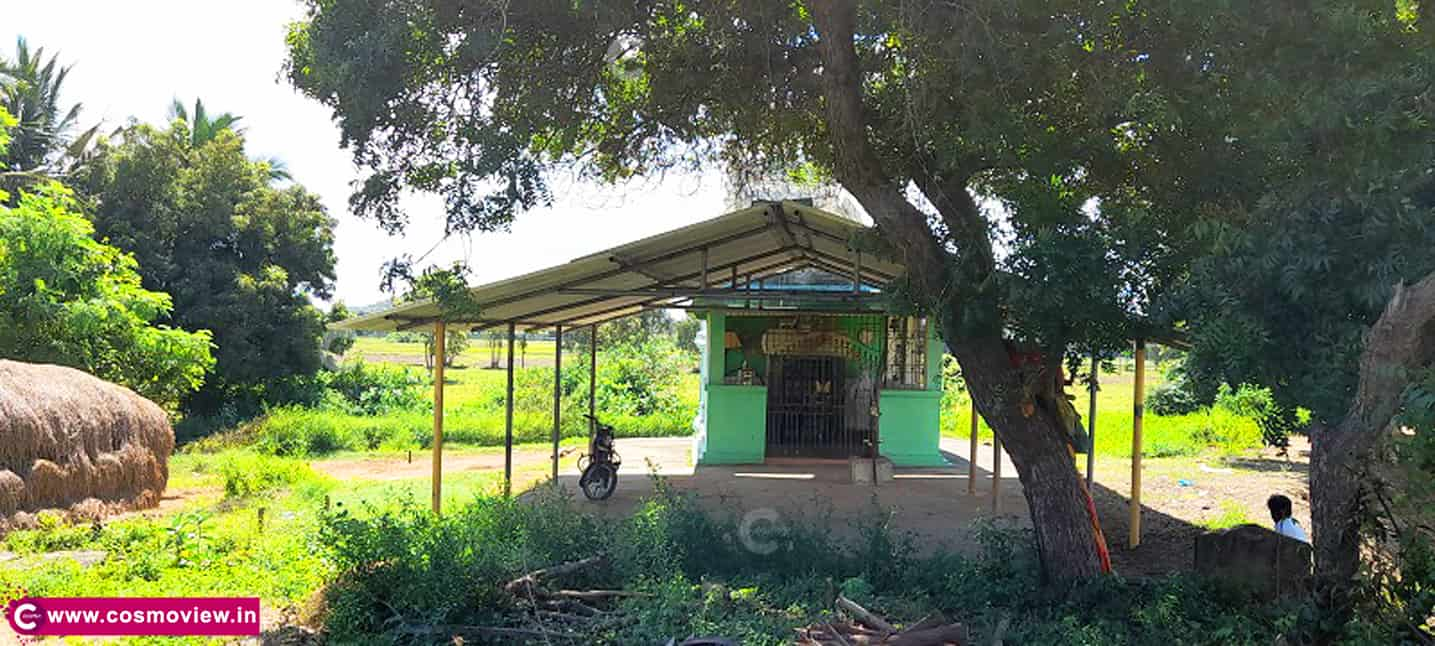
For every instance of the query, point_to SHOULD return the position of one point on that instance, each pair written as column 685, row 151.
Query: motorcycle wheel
column 598, row 481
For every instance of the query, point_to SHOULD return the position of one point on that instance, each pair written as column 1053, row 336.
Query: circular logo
column 25, row 617
column 759, row 530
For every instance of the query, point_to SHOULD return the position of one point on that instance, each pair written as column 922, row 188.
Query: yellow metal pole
column 972, row 466
column 439, row 336
column 996, row 472
column 1138, row 411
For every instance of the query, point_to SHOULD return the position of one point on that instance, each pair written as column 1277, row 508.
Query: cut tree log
column 934, row 636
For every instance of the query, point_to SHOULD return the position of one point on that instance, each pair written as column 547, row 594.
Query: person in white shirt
column 1280, row 507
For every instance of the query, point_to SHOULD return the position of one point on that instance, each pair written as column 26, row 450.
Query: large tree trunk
column 1032, row 434
column 1037, row 443
column 1402, row 340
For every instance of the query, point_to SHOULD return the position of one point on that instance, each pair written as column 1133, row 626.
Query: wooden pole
column 996, row 472
column 972, row 465
column 1138, row 411
column 592, row 369
column 1091, row 421
column 557, row 392
column 440, row 333
column 508, row 421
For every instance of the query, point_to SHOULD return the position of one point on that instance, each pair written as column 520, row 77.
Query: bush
column 295, row 431
column 1257, row 403
column 248, row 474
column 1172, row 398
column 406, row 337
column 407, row 563
column 365, row 389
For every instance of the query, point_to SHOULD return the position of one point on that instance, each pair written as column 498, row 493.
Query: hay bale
column 12, row 492
column 66, row 437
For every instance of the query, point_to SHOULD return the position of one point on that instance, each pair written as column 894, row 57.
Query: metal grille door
column 826, row 406
column 805, row 412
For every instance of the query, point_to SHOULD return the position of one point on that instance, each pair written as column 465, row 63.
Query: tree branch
column 855, row 163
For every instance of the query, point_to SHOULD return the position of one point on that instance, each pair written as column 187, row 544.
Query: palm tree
column 203, row 129
column 30, row 88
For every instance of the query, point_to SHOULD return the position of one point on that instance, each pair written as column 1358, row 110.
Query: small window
column 906, row 353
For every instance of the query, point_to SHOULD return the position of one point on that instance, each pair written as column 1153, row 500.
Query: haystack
column 67, row 437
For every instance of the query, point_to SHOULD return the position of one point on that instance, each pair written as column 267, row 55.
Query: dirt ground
column 932, row 504
column 935, row 506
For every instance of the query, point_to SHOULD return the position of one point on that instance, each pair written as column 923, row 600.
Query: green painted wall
column 737, row 424
column 736, row 416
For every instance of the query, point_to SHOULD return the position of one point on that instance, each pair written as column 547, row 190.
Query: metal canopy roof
column 713, row 258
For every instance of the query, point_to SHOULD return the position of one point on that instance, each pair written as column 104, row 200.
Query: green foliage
column 455, row 341
column 247, row 474
column 66, row 298
column 201, row 127
column 403, row 564
column 196, row 552
column 1257, row 403
column 239, row 256
column 375, row 389
column 1339, row 208
column 44, row 144
column 338, row 342
column 307, row 432
column 1232, row 514
column 1172, row 398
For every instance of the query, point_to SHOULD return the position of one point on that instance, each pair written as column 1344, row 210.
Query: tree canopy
column 45, row 141
column 240, row 256
column 1055, row 176
column 66, row 298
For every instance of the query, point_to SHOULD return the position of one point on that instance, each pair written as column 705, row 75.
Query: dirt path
column 400, row 467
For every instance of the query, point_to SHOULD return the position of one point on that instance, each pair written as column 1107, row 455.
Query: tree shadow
column 933, row 504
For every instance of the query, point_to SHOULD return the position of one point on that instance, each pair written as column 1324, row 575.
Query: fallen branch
column 934, row 636
column 486, row 631
column 532, row 583
column 864, row 615
column 597, row 595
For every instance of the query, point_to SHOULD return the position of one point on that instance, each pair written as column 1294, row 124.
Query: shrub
column 248, row 474
column 376, row 389
column 1172, row 398
column 1232, row 514
column 1257, row 403
column 303, row 432
column 406, row 336
column 407, row 563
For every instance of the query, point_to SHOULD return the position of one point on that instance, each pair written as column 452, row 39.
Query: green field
column 1212, row 429
column 471, row 385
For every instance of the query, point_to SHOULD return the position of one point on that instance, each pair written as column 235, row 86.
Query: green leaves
column 240, row 255
column 66, row 298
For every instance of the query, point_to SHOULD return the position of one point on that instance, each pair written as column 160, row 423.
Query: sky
column 133, row 58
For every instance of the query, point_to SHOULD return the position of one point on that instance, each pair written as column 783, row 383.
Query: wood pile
column 864, row 627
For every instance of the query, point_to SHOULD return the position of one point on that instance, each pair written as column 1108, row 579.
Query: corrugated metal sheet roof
column 664, row 269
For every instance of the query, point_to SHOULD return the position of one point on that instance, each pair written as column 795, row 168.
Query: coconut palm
column 204, row 128
column 43, row 143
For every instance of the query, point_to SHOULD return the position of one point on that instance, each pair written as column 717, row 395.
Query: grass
column 1162, row 436
column 212, row 547
column 1232, row 514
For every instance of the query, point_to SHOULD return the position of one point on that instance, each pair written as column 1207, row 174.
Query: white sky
column 131, row 58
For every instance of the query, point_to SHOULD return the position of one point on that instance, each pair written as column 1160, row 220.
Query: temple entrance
column 823, row 403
